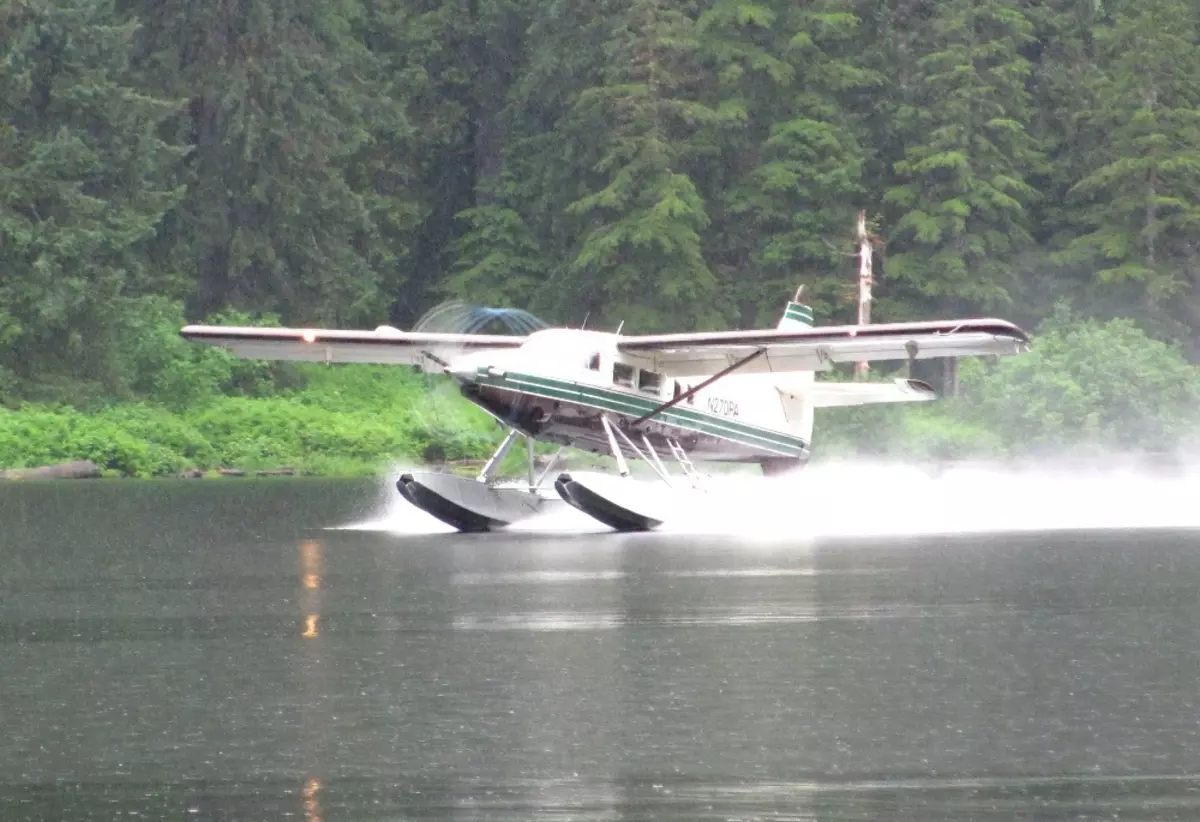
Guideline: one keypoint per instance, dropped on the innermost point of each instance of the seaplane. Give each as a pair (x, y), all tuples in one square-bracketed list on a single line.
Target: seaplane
[(708, 397)]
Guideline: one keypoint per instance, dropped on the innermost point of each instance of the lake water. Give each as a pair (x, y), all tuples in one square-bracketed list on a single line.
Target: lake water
[(230, 650)]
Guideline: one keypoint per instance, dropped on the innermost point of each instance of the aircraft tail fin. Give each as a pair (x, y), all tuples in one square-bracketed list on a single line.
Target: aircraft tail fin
[(796, 315), (793, 388)]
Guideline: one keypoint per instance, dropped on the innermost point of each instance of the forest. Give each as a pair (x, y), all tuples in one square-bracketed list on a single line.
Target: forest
[(666, 164)]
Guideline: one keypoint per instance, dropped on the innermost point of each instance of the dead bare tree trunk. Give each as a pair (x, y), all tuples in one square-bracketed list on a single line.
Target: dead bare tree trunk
[(864, 283)]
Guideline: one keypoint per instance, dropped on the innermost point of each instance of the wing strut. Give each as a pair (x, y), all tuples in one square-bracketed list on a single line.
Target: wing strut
[(691, 391)]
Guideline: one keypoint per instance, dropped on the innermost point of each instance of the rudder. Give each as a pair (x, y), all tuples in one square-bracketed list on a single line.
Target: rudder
[(796, 315), (792, 389)]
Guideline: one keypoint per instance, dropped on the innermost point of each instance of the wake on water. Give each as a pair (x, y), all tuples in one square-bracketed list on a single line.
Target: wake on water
[(857, 498)]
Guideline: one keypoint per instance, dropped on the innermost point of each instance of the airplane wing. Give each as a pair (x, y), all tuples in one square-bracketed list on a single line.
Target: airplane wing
[(815, 349), (384, 345), (837, 394)]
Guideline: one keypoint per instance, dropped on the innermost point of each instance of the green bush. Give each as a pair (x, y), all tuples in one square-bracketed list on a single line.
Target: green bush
[(1087, 385), (37, 436), (1084, 386), (159, 365), (345, 420)]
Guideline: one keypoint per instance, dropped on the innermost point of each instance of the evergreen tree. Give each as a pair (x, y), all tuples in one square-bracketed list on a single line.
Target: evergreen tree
[(741, 45), (460, 60), (281, 99), (499, 261), (1138, 206), (960, 200), (1062, 55), (1063, 63), (640, 257), (545, 167), (784, 73), (85, 178)]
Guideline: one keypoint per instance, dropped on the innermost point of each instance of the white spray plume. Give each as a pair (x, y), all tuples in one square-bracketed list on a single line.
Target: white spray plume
[(860, 498)]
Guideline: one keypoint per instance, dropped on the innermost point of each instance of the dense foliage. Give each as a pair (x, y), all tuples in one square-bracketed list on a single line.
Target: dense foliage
[(672, 164), (1085, 389), (203, 409)]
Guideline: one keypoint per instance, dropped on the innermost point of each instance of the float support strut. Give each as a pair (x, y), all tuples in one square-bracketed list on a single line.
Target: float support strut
[(622, 466), (549, 467), (489, 468), (662, 469), (638, 452)]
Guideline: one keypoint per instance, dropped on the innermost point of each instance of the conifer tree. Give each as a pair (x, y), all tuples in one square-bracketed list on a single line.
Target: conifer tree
[(1062, 56), (85, 180), (499, 262), (454, 63), (959, 205), (1139, 206), (1063, 65), (640, 256), (545, 167), (784, 77), (281, 99), (747, 83)]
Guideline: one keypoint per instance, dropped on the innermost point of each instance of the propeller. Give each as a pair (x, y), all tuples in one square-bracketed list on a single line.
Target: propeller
[(459, 317)]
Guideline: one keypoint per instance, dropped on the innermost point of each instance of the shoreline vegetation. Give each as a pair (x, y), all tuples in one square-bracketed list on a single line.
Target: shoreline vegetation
[(1086, 388)]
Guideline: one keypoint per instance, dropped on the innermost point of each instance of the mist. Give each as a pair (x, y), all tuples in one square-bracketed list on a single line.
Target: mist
[(857, 497)]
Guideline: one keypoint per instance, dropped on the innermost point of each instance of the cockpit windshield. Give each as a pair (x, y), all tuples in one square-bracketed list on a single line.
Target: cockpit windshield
[(568, 349)]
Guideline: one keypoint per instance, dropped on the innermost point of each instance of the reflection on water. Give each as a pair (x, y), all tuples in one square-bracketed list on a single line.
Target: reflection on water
[(310, 578), (312, 805), (311, 631), (212, 651), (314, 687)]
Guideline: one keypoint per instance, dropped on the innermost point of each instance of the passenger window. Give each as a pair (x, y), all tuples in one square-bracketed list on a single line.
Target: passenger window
[(623, 374), (649, 381), (594, 363)]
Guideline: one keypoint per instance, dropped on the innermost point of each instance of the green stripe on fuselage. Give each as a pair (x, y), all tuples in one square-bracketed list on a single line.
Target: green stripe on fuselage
[(607, 399)]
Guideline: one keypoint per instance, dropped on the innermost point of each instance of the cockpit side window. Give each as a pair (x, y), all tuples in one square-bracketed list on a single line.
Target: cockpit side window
[(649, 381), (593, 363), (623, 374)]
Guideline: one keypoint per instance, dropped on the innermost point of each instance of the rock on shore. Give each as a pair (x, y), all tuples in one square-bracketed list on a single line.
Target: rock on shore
[(77, 469)]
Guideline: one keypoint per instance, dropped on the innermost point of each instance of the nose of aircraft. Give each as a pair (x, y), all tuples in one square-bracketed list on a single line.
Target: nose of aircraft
[(465, 369), (461, 372)]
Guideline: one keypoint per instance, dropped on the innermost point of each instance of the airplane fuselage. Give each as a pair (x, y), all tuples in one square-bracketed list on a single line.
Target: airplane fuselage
[(557, 385)]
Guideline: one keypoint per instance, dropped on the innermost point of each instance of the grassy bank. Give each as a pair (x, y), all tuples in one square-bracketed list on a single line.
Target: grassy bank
[(1085, 388), (341, 421)]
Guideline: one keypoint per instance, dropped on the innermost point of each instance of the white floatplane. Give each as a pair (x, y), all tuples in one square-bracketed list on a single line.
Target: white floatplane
[(730, 396)]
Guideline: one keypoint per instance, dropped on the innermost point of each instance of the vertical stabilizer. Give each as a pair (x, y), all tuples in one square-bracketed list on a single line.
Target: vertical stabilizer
[(796, 315), (793, 388)]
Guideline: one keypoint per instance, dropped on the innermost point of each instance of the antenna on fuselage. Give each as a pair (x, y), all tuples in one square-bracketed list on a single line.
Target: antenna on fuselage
[(619, 327), (585, 319)]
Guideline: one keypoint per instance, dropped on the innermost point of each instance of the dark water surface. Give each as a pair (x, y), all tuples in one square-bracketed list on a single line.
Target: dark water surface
[(209, 650)]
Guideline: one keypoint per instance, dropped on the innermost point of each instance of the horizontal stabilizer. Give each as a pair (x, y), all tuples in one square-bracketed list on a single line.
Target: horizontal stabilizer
[(837, 394)]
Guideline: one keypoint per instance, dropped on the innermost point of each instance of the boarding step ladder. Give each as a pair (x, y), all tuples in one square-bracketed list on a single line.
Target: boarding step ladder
[(681, 457)]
